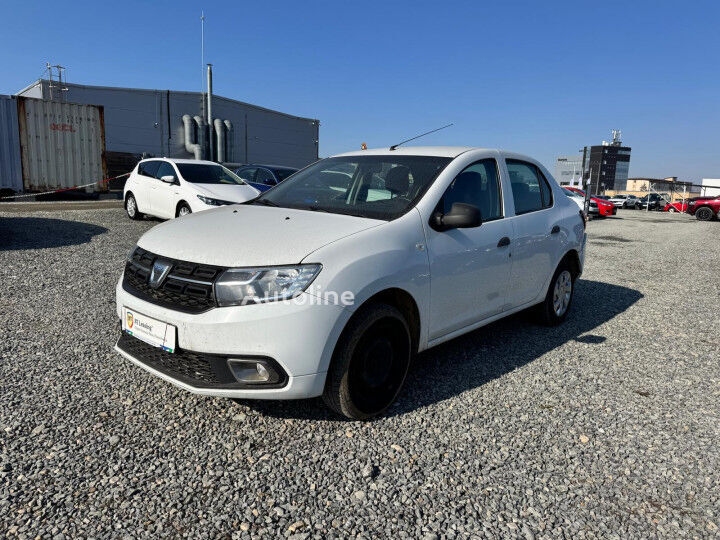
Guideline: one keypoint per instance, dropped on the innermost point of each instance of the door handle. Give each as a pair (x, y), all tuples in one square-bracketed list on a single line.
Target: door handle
[(555, 229), (504, 241)]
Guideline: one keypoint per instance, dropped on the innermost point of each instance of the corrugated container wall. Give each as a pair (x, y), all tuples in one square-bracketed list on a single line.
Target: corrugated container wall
[(10, 168), (62, 144), (141, 121)]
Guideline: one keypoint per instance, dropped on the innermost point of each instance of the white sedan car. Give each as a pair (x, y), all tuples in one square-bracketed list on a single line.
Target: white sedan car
[(354, 265), (168, 188)]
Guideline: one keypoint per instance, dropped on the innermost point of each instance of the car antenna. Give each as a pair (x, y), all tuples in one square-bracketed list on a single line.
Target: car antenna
[(394, 146)]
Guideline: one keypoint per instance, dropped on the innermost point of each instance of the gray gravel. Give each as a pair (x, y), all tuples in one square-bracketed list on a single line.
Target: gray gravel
[(608, 426)]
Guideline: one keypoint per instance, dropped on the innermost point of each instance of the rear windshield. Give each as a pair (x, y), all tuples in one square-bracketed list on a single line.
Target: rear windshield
[(204, 173)]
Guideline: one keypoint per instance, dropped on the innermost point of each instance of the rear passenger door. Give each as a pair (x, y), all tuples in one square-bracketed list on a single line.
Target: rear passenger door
[(536, 232), (143, 188), (470, 267)]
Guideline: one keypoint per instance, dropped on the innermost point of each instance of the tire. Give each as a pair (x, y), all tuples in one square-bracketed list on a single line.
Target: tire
[(131, 208), (558, 299), (672, 209), (704, 213), (183, 210), (370, 363)]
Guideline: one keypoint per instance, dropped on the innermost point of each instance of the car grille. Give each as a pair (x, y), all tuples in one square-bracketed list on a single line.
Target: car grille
[(188, 287), (199, 370)]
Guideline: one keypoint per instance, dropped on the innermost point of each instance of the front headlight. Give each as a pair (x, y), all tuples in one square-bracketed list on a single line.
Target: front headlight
[(213, 202), (240, 286)]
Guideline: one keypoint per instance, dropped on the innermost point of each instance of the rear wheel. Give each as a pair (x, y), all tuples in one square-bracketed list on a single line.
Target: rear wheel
[(672, 209), (131, 207), (370, 363), (559, 296), (704, 214)]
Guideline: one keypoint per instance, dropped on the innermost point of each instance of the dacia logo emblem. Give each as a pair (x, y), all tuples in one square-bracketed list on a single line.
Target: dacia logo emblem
[(158, 273)]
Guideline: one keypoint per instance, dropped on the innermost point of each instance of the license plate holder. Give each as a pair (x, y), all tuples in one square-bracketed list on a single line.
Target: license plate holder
[(151, 331)]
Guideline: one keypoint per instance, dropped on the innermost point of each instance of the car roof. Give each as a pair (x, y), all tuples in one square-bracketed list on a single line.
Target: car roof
[(268, 166), (177, 160), (436, 151)]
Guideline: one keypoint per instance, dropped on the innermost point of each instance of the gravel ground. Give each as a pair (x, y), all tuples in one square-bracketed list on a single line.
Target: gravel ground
[(608, 426)]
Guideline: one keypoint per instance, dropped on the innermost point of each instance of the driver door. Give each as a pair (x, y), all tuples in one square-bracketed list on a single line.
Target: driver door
[(165, 196), (470, 268)]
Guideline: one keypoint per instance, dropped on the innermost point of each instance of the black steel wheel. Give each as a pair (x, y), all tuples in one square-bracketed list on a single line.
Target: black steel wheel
[(370, 363)]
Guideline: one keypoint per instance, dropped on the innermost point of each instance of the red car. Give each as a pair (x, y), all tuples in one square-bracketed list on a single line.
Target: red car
[(605, 208), (705, 209), (677, 206)]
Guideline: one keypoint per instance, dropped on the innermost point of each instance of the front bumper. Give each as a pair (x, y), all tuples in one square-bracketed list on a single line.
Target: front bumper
[(299, 337)]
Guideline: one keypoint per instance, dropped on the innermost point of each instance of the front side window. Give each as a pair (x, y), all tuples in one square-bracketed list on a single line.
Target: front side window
[(204, 173), (148, 168), (165, 169), (376, 187), (479, 186), (531, 191)]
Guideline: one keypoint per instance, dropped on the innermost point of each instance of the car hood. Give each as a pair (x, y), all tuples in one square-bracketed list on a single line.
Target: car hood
[(249, 235), (226, 192)]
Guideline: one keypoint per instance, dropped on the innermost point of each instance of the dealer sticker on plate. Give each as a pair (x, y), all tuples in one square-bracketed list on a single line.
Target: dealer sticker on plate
[(149, 330)]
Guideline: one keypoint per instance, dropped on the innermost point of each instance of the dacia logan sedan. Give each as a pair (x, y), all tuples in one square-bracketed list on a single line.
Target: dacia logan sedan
[(329, 283)]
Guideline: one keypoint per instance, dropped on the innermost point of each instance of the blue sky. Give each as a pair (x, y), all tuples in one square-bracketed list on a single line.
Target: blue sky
[(541, 78)]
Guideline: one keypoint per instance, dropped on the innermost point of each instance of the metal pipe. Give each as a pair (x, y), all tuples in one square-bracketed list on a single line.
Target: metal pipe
[(201, 134), (209, 109), (191, 144), (228, 140), (220, 139)]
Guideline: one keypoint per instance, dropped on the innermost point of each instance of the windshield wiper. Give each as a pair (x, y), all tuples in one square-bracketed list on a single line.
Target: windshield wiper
[(315, 208)]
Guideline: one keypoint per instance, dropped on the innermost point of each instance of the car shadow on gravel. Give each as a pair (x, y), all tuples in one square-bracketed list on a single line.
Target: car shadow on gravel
[(18, 233), (477, 358)]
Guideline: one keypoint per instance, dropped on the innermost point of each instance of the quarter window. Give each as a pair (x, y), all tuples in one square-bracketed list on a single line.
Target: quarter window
[(531, 191), (148, 168), (479, 186)]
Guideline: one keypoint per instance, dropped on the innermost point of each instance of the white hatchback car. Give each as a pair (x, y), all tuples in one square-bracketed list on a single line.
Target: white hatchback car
[(168, 188), (354, 265)]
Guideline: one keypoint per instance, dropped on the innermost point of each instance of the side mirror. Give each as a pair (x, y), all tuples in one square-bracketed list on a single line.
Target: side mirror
[(461, 216), (169, 179)]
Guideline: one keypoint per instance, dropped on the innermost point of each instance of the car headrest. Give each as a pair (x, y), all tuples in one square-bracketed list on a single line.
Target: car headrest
[(397, 180)]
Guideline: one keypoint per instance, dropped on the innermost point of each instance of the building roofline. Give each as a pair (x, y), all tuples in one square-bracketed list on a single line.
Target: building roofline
[(185, 92)]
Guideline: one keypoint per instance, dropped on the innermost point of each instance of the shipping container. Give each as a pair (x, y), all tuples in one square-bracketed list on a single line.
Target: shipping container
[(62, 144), (150, 122), (10, 169)]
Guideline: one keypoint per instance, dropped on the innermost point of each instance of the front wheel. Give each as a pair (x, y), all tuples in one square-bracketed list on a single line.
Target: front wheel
[(370, 363), (704, 214), (672, 209), (559, 296), (183, 210)]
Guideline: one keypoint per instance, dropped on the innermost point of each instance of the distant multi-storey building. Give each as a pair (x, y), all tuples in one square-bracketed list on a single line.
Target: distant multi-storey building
[(568, 170), (606, 166)]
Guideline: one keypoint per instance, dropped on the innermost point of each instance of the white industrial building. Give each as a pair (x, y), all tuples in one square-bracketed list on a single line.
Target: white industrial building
[(710, 187), (568, 170)]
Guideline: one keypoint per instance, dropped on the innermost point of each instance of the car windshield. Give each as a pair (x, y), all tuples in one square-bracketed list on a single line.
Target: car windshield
[(377, 187), (205, 173), (571, 193)]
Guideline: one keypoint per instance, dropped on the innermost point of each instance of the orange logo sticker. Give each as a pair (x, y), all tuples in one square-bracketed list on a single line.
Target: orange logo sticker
[(129, 319)]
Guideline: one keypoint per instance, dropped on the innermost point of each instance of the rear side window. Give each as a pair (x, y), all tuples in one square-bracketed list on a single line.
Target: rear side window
[(247, 174), (478, 185), (148, 168), (531, 191)]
